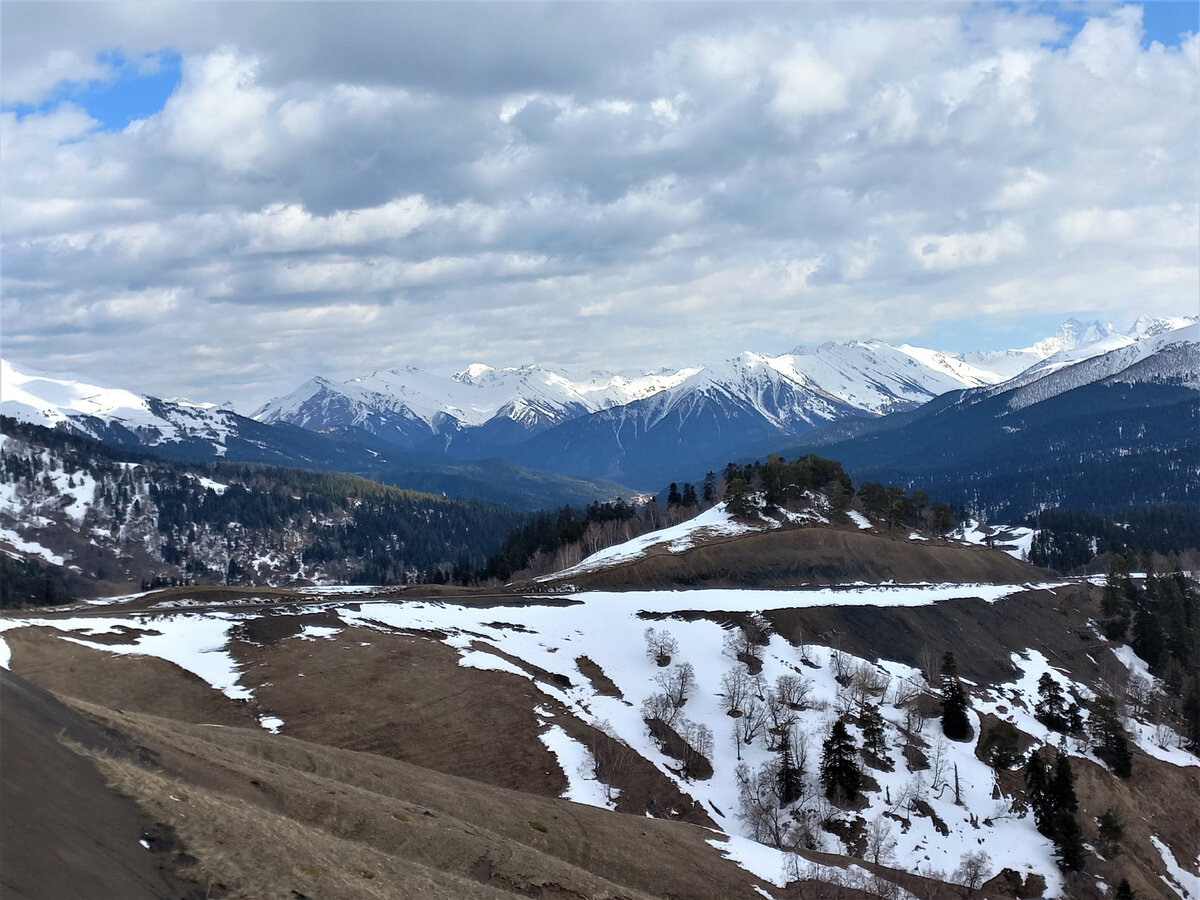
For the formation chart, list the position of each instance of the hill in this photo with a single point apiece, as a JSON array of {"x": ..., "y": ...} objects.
[
  {"x": 108, "y": 518},
  {"x": 442, "y": 743}
]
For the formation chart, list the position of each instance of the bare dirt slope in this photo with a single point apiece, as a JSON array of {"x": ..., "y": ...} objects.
[
  {"x": 63, "y": 831},
  {"x": 792, "y": 557},
  {"x": 264, "y": 816}
]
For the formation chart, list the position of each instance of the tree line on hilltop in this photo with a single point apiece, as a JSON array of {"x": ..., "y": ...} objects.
[{"x": 551, "y": 541}]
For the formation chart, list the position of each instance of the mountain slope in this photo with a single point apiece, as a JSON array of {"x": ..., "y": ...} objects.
[
  {"x": 109, "y": 518},
  {"x": 197, "y": 433},
  {"x": 1105, "y": 432},
  {"x": 530, "y": 695}
]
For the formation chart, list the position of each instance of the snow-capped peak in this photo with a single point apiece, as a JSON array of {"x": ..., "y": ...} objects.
[{"x": 1150, "y": 326}]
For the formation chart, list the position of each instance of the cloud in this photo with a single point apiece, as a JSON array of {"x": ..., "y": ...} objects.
[
  {"x": 950, "y": 251},
  {"x": 339, "y": 187}
]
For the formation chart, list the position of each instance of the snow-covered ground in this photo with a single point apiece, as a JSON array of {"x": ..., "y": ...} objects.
[
  {"x": 608, "y": 628},
  {"x": 1013, "y": 540},
  {"x": 714, "y": 522}
]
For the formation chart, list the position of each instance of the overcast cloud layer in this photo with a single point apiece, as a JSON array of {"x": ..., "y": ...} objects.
[{"x": 335, "y": 188}]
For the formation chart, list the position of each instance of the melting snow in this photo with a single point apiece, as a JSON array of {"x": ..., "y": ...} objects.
[
  {"x": 1184, "y": 883},
  {"x": 859, "y": 519},
  {"x": 714, "y": 522},
  {"x": 579, "y": 766},
  {"x": 32, "y": 548}
]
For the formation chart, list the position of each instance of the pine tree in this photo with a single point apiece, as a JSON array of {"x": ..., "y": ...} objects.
[
  {"x": 673, "y": 496},
  {"x": 1124, "y": 891},
  {"x": 955, "y": 724},
  {"x": 1068, "y": 841},
  {"x": 1063, "y": 786},
  {"x": 840, "y": 774},
  {"x": 791, "y": 782},
  {"x": 689, "y": 495},
  {"x": 1037, "y": 786},
  {"x": 874, "y": 739},
  {"x": 1109, "y": 737},
  {"x": 709, "y": 490}
]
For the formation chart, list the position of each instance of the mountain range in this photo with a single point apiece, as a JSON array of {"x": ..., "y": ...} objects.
[{"x": 637, "y": 430}]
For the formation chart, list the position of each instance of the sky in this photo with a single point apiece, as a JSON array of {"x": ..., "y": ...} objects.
[{"x": 220, "y": 200}]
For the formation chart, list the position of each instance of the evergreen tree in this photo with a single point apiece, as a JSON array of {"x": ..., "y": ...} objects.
[
  {"x": 689, "y": 495},
  {"x": 1037, "y": 786},
  {"x": 1124, "y": 891},
  {"x": 1191, "y": 713},
  {"x": 1111, "y": 832},
  {"x": 840, "y": 774},
  {"x": 1147, "y": 637},
  {"x": 791, "y": 781},
  {"x": 674, "y": 498},
  {"x": 1063, "y": 786},
  {"x": 709, "y": 490},
  {"x": 1052, "y": 708},
  {"x": 1068, "y": 841},
  {"x": 955, "y": 724},
  {"x": 874, "y": 739},
  {"x": 1109, "y": 737}
]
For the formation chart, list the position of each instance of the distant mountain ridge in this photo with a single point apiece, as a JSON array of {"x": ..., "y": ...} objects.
[{"x": 640, "y": 430}]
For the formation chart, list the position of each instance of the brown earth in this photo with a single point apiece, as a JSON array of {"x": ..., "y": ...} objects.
[
  {"x": 63, "y": 831},
  {"x": 385, "y": 726},
  {"x": 791, "y": 557}
]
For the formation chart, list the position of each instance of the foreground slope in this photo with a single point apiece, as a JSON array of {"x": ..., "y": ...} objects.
[{"x": 554, "y": 696}]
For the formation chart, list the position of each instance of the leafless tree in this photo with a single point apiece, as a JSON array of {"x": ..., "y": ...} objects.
[
  {"x": 735, "y": 686},
  {"x": 661, "y": 646},
  {"x": 750, "y": 724},
  {"x": 758, "y": 801},
  {"x": 610, "y": 756},
  {"x": 745, "y": 642},
  {"x": 939, "y": 763},
  {"x": 677, "y": 683},
  {"x": 793, "y": 690},
  {"x": 659, "y": 706},
  {"x": 880, "y": 843},
  {"x": 972, "y": 870}
]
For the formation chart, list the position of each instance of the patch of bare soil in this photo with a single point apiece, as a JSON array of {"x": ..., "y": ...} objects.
[
  {"x": 137, "y": 683},
  {"x": 270, "y": 816},
  {"x": 1158, "y": 799},
  {"x": 791, "y": 557},
  {"x": 63, "y": 831},
  {"x": 406, "y": 698},
  {"x": 981, "y": 635}
]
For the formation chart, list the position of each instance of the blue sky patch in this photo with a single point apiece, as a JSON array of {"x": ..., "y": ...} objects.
[
  {"x": 135, "y": 89},
  {"x": 1166, "y": 21}
]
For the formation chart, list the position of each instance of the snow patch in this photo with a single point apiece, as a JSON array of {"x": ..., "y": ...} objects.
[{"x": 579, "y": 766}]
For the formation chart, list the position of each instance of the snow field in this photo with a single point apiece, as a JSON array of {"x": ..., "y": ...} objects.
[
  {"x": 30, "y": 548},
  {"x": 713, "y": 522},
  {"x": 608, "y": 629},
  {"x": 1186, "y": 884},
  {"x": 579, "y": 766}
]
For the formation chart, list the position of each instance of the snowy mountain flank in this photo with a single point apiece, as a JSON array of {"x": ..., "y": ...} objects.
[
  {"x": 633, "y": 430},
  {"x": 615, "y": 427}
]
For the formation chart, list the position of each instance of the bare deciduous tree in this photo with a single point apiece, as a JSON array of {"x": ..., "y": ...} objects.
[
  {"x": 677, "y": 683},
  {"x": 661, "y": 646},
  {"x": 880, "y": 843},
  {"x": 659, "y": 706},
  {"x": 793, "y": 690},
  {"x": 735, "y": 686},
  {"x": 972, "y": 870}
]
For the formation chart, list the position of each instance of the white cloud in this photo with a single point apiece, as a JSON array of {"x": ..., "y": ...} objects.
[
  {"x": 806, "y": 85},
  {"x": 475, "y": 193},
  {"x": 950, "y": 251}
]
